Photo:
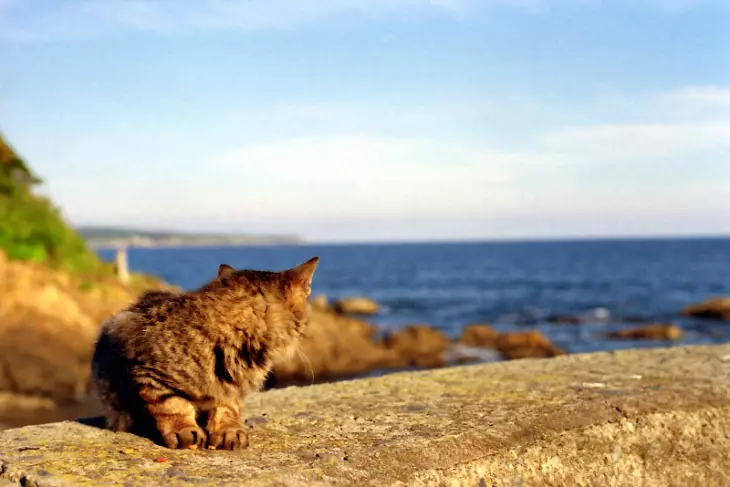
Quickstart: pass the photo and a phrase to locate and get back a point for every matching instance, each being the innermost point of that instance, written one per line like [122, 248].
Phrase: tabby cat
[175, 367]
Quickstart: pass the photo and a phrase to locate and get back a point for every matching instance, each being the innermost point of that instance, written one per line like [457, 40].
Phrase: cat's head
[289, 288]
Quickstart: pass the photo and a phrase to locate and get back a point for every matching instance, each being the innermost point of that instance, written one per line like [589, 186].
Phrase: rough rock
[657, 331]
[512, 345]
[716, 309]
[526, 344]
[639, 417]
[356, 306]
[334, 346]
[417, 345]
[479, 335]
[48, 324]
[320, 302]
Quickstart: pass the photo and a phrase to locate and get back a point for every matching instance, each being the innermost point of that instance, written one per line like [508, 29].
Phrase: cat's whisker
[305, 359]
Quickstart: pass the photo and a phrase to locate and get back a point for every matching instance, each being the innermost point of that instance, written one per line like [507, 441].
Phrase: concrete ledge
[641, 417]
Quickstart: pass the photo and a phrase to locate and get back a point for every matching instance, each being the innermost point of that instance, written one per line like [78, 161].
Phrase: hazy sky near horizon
[378, 119]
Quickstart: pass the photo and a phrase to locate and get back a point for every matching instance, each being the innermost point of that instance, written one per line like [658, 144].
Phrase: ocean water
[513, 286]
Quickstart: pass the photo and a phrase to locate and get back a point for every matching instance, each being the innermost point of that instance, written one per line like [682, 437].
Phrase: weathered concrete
[644, 417]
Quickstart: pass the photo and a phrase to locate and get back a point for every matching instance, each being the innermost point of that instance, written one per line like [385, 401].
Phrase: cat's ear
[225, 269]
[300, 277]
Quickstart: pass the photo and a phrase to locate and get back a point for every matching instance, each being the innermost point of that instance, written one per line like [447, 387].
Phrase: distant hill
[114, 236]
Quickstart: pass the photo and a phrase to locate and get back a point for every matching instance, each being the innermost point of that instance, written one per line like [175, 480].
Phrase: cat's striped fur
[175, 366]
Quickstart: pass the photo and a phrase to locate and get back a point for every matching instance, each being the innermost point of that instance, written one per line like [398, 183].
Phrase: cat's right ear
[225, 270]
[301, 276]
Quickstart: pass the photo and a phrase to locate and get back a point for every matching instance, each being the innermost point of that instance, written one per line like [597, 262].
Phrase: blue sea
[513, 286]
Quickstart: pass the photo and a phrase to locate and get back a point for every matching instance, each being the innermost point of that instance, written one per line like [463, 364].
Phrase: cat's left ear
[301, 276]
[225, 269]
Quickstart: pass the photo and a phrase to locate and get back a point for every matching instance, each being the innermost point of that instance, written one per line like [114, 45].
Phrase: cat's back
[141, 325]
[152, 309]
[136, 332]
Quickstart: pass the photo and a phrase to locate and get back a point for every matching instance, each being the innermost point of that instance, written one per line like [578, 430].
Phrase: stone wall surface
[636, 418]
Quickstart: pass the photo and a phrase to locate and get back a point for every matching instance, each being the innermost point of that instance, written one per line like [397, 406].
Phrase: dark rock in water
[715, 309]
[657, 331]
[525, 317]
[597, 314]
[590, 316]
[564, 319]
[634, 319]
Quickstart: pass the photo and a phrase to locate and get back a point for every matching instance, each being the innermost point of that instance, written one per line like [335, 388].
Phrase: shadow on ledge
[95, 422]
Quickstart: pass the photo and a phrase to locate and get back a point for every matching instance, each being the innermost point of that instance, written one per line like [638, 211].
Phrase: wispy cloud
[659, 165]
[583, 169]
[649, 142]
[369, 175]
[701, 96]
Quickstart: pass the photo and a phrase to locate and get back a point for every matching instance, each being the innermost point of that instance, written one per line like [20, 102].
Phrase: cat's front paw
[229, 439]
[190, 436]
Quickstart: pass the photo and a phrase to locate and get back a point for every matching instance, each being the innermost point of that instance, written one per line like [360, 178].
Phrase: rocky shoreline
[49, 321]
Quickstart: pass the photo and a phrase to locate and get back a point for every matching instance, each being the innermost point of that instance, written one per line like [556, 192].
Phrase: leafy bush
[31, 227]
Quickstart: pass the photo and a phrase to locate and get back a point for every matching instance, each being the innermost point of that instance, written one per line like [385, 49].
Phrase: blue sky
[376, 120]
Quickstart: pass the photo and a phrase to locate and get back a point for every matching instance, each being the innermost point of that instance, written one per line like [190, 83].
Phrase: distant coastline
[113, 237]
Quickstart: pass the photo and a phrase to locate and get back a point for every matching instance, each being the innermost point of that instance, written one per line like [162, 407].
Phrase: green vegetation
[31, 227]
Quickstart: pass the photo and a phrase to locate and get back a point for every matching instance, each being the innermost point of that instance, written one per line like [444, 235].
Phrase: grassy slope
[32, 229]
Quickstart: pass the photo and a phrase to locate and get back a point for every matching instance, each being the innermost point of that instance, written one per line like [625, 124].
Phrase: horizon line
[526, 239]
[467, 241]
